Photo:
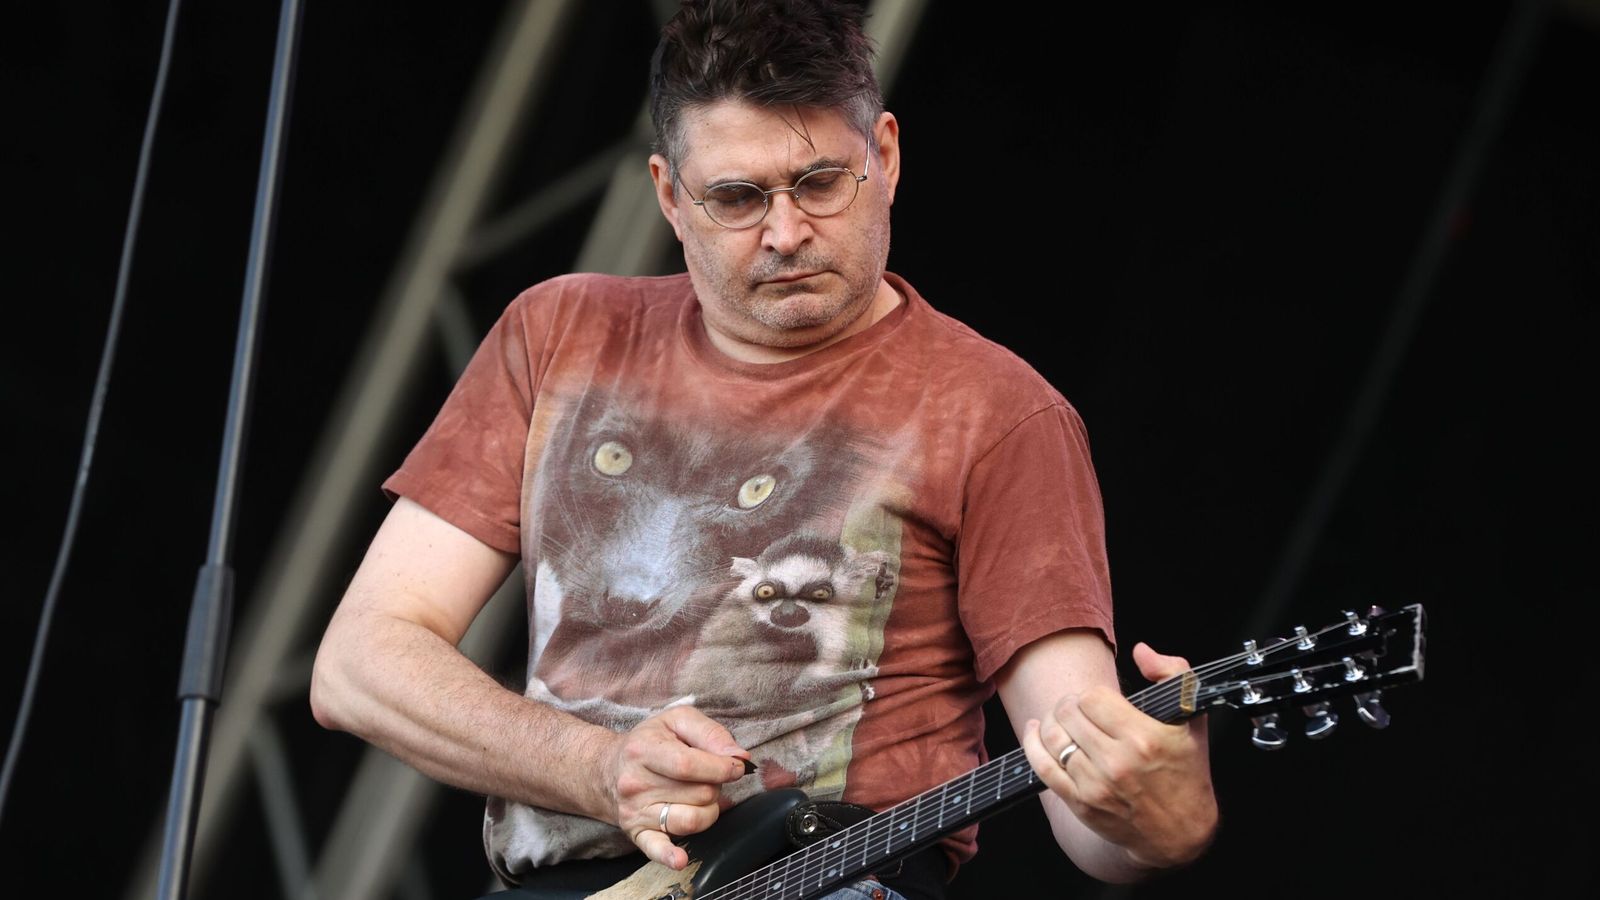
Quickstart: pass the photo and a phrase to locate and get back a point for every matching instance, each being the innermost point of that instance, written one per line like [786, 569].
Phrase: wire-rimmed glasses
[819, 193]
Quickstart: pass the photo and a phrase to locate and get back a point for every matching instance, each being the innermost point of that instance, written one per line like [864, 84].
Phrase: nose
[786, 227]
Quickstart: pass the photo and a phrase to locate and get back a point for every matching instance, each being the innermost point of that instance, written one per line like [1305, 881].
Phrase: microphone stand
[211, 611]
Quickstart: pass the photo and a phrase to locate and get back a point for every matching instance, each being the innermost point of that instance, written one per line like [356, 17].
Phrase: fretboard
[877, 843]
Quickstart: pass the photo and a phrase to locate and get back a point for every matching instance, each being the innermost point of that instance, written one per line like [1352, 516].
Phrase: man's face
[794, 280]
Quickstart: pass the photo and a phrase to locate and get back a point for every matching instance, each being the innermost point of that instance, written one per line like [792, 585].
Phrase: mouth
[790, 278]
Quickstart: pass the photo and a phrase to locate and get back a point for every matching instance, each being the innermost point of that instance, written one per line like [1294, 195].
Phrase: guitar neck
[1297, 671]
[880, 841]
[877, 843]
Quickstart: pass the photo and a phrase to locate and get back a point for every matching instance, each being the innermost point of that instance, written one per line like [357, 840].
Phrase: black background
[1194, 221]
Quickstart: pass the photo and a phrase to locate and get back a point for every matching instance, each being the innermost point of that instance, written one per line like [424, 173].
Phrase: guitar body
[744, 838]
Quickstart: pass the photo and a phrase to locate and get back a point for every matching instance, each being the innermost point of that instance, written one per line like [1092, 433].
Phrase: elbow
[327, 695]
[321, 706]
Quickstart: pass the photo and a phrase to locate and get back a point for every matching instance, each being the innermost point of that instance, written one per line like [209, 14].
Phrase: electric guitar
[750, 853]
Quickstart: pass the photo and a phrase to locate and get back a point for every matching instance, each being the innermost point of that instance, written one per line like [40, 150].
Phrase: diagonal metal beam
[1513, 55]
[388, 802]
[892, 24]
[285, 826]
[318, 522]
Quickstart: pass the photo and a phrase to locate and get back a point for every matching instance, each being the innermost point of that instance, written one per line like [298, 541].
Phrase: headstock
[1359, 656]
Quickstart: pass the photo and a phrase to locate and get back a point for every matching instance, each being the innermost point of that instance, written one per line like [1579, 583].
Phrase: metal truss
[422, 310]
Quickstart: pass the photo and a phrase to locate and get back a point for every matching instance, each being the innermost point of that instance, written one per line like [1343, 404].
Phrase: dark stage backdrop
[1195, 221]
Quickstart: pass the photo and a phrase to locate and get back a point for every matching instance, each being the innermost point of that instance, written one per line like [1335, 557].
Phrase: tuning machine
[1268, 734]
[1371, 710]
[1321, 720]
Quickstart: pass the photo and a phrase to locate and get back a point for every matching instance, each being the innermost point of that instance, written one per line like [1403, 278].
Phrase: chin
[798, 308]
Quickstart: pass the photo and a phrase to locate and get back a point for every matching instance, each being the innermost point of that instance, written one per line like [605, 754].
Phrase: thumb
[1156, 666]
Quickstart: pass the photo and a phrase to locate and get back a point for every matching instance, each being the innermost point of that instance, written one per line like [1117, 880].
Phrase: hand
[678, 756]
[1137, 782]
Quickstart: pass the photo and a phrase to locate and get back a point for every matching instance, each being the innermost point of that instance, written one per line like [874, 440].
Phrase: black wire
[96, 407]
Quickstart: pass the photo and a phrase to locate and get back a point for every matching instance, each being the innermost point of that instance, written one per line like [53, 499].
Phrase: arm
[388, 671]
[1137, 794]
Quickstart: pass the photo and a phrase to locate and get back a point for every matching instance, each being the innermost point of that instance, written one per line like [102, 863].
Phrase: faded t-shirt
[831, 555]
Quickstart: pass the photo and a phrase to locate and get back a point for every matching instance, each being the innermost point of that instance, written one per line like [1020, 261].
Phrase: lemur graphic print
[684, 563]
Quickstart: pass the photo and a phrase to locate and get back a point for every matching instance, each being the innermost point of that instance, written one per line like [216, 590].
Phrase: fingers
[680, 819]
[696, 749]
[668, 780]
[699, 730]
[1043, 758]
[1069, 721]
[659, 847]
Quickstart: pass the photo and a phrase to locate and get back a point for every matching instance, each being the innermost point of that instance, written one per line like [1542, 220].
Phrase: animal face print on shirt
[680, 562]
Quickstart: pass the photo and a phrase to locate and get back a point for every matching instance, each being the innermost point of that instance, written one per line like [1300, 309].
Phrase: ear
[886, 134]
[744, 567]
[666, 195]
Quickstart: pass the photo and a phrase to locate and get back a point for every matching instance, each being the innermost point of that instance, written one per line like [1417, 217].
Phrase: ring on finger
[1067, 751]
[663, 819]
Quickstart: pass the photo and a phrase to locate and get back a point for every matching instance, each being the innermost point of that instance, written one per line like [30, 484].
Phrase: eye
[823, 592]
[755, 492]
[734, 196]
[612, 459]
[766, 590]
[823, 180]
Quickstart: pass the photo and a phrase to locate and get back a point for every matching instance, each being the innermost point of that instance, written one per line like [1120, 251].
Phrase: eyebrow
[826, 162]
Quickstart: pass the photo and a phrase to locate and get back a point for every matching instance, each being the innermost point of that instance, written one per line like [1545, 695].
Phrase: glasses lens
[826, 191]
[736, 205]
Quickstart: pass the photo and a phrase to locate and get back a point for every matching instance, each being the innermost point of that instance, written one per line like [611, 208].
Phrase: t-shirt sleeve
[1031, 553]
[467, 468]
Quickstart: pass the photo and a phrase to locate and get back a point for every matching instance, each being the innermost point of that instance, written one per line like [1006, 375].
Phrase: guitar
[749, 854]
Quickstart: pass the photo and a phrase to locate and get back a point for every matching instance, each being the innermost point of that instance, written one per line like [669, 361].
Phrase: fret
[897, 827]
[829, 863]
[813, 868]
[778, 878]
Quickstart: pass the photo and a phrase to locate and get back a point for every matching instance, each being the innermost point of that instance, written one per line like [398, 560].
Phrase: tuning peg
[1371, 711]
[1322, 721]
[1354, 626]
[1268, 734]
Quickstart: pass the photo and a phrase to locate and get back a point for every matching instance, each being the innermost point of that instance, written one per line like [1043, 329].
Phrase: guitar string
[857, 840]
[1156, 700]
[1175, 685]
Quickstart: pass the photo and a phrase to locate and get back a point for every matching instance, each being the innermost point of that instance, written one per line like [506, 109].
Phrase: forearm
[1096, 856]
[407, 690]
[1135, 797]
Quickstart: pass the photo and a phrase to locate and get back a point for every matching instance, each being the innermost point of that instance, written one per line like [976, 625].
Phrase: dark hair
[810, 53]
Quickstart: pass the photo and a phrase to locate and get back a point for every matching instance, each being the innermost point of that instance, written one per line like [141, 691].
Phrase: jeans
[864, 890]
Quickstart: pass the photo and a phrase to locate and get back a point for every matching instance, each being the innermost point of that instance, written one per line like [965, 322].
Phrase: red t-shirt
[831, 555]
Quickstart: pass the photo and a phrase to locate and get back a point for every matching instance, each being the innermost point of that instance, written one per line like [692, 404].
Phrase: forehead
[733, 140]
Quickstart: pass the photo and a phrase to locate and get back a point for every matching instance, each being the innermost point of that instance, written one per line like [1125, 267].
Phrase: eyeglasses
[819, 193]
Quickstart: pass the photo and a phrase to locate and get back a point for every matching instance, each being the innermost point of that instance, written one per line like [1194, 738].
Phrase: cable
[96, 407]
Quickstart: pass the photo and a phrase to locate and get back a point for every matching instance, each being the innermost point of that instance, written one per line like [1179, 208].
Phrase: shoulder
[591, 293]
[973, 370]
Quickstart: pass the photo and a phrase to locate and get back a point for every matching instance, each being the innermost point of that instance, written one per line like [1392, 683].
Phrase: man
[783, 523]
